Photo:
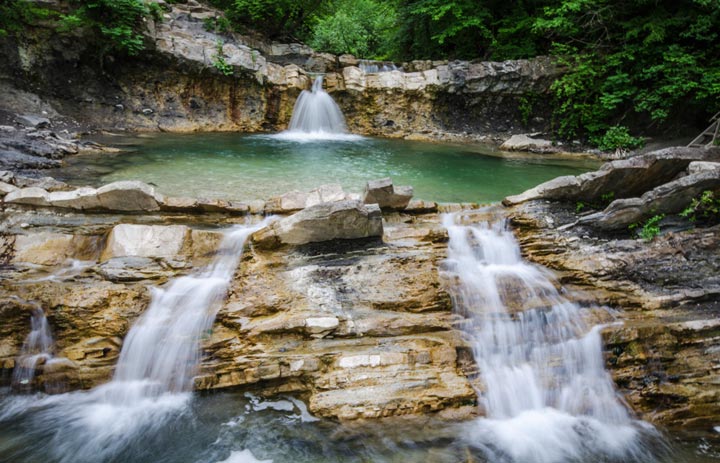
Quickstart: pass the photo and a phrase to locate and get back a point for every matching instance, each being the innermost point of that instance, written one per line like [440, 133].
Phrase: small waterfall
[546, 393]
[316, 116]
[162, 348]
[38, 346]
[374, 67]
[153, 380]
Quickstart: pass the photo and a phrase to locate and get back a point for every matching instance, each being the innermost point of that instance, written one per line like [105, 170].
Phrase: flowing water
[544, 388]
[38, 347]
[316, 117]
[243, 167]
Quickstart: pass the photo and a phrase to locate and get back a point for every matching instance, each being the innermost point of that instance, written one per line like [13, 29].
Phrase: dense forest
[631, 63]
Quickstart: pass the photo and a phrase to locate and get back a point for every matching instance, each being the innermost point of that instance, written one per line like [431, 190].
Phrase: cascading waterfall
[316, 116]
[38, 347]
[374, 67]
[546, 394]
[153, 380]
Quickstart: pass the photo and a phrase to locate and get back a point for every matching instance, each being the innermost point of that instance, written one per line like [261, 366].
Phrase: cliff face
[175, 85]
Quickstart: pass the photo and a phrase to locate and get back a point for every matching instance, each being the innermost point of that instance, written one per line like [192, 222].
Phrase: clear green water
[235, 166]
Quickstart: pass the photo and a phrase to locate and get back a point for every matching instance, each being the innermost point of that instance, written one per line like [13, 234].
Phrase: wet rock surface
[360, 328]
[663, 355]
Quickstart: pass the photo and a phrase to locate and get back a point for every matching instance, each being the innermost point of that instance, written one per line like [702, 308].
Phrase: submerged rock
[323, 222]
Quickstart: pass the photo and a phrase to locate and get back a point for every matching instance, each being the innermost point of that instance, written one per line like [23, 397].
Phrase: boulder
[669, 198]
[32, 196]
[703, 166]
[80, 199]
[526, 143]
[384, 194]
[129, 240]
[323, 222]
[49, 248]
[325, 194]
[129, 196]
[624, 179]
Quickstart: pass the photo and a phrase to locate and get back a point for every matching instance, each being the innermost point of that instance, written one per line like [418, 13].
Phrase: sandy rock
[384, 194]
[323, 222]
[48, 248]
[126, 240]
[129, 196]
[32, 196]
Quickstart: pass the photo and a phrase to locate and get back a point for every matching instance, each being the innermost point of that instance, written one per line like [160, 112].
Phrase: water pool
[244, 167]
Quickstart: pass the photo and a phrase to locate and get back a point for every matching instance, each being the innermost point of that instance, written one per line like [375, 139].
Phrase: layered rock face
[175, 85]
[359, 325]
[664, 356]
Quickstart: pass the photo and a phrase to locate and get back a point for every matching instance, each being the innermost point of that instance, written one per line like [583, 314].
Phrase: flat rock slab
[128, 240]
[383, 193]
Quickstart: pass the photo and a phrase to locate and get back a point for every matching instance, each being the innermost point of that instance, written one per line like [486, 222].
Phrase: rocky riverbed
[343, 303]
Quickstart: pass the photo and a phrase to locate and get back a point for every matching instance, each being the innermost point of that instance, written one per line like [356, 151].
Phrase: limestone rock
[703, 166]
[49, 248]
[124, 269]
[289, 202]
[323, 222]
[129, 196]
[384, 194]
[625, 179]
[82, 199]
[526, 143]
[669, 198]
[32, 196]
[36, 122]
[127, 240]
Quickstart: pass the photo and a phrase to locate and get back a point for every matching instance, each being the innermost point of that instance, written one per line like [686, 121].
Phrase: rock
[325, 194]
[33, 121]
[7, 177]
[526, 143]
[49, 248]
[624, 179]
[669, 198]
[289, 202]
[126, 240]
[419, 206]
[174, 204]
[81, 199]
[32, 196]
[384, 194]
[6, 188]
[323, 222]
[129, 196]
[702, 166]
[46, 183]
[124, 269]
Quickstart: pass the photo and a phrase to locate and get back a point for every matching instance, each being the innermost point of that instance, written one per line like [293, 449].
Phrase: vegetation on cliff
[643, 64]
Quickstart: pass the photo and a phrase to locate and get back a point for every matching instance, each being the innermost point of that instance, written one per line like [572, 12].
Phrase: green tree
[363, 28]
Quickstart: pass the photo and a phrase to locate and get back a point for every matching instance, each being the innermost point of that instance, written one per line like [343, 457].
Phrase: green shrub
[650, 229]
[705, 208]
[617, 137]
[219, 60]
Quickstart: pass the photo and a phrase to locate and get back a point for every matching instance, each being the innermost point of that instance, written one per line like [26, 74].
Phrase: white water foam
[546, 393]
[316, 117]
[153, 380]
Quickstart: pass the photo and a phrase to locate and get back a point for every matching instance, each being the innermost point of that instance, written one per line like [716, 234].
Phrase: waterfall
[316, 116]
[546, 394]
[374, 67]
[154, 377]
[38, 346]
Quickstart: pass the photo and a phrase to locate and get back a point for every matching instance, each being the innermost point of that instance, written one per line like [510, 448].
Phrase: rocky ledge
[664, 355]
[339, 303]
